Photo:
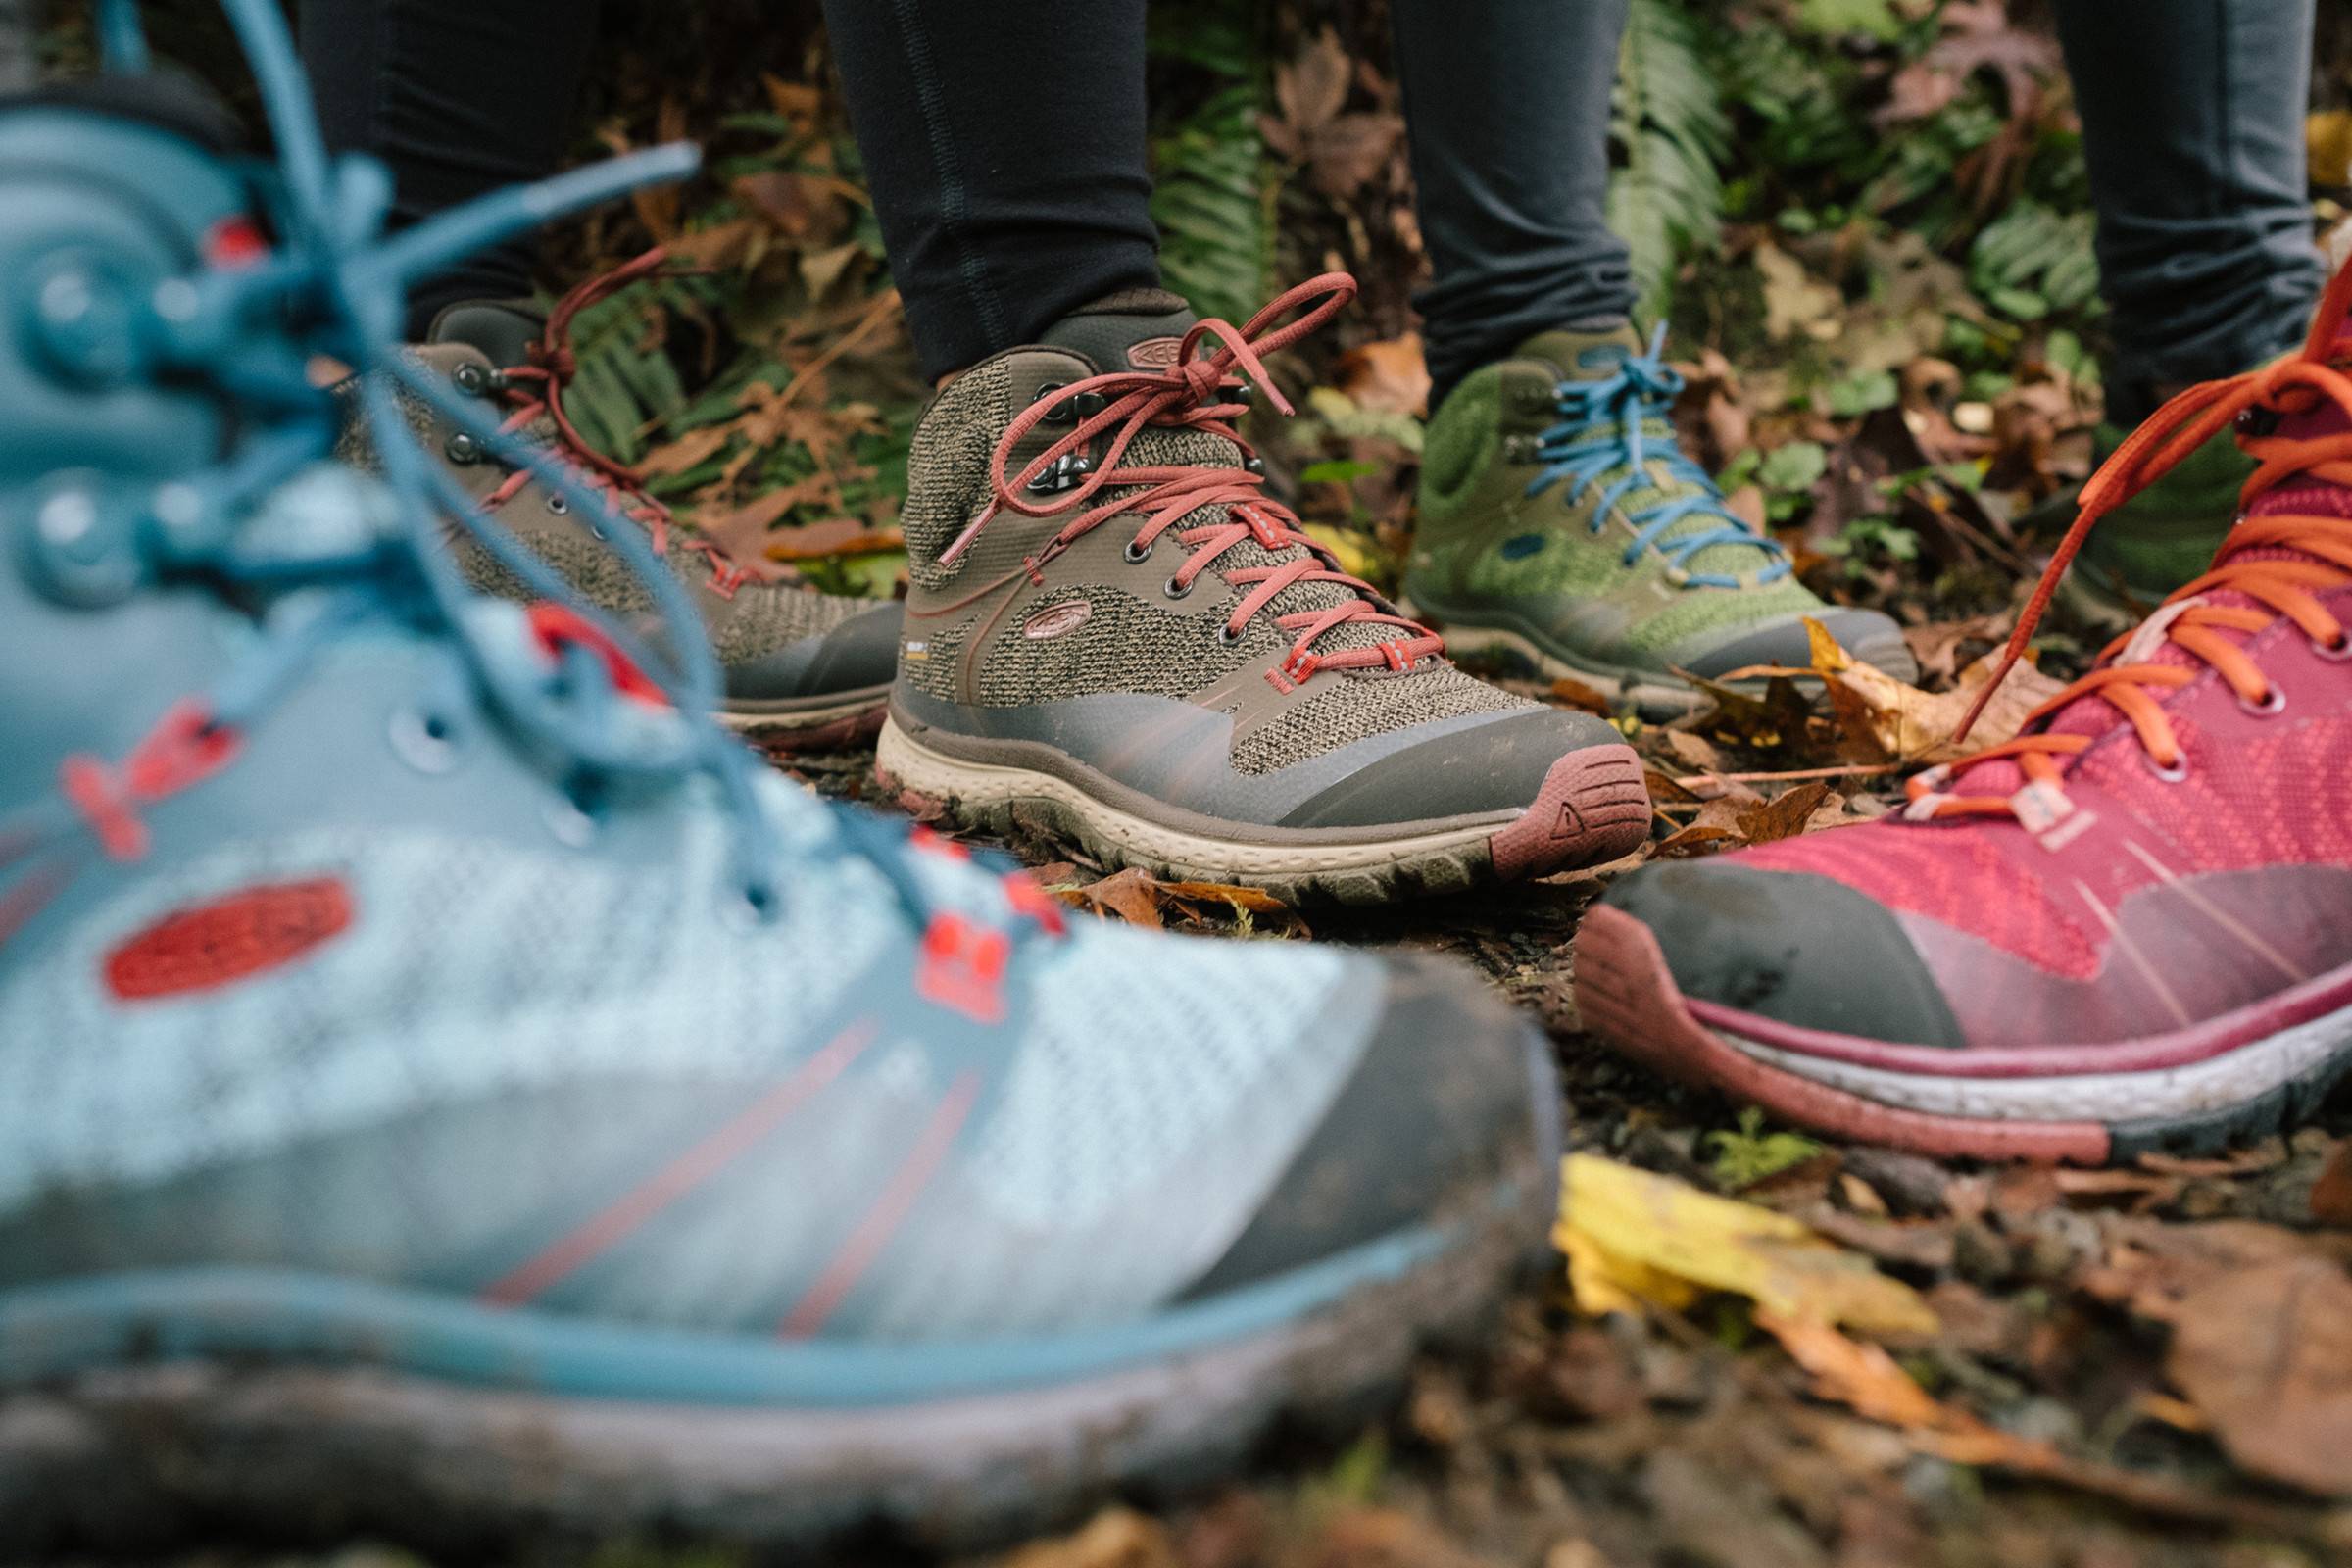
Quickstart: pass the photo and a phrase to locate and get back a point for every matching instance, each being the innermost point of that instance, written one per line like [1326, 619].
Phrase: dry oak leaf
[2266, 1355]
[1910, 726]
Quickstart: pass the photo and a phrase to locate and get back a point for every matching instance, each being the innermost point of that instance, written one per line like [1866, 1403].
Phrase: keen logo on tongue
[1154, 353]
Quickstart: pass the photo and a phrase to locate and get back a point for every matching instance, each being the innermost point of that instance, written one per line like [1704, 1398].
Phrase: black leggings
[459, 99]
[1004, 145]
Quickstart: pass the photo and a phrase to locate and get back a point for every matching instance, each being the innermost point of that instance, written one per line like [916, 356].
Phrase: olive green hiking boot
[2158, 539]
[802, 670]
[1562, 527]
[1112, 629]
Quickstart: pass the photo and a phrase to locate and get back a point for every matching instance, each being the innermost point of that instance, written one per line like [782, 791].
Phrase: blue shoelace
[340, 282]
[1603, 431]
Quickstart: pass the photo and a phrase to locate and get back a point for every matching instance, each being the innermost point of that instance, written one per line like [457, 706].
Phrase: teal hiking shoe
[1561, 527]
[2161, 538]
[449, 1090]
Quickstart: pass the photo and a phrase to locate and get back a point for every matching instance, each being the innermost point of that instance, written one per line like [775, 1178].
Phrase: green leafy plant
[1668, 123]
[1747, 1155]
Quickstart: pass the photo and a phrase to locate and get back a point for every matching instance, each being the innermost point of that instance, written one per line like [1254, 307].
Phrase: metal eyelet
[2273, 702]
[1061, 414]
[1227, 636]
[1134, 557]
[2336, 652]
[559, 506]
[426, 742]
[473, 379]
[750, 906]
[1254, 464]
[1177, 590]
[1065, 473]
[2174, 774]
[463, 449]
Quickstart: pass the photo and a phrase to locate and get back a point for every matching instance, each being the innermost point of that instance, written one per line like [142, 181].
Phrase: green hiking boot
[2158, 539]
[1562, 526]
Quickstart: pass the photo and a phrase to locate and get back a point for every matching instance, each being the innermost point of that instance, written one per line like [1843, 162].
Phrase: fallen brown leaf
[2266, 1355]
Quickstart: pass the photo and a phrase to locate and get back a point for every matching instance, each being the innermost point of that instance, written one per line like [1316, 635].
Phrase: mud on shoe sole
[1593, 806]
[149, 1452]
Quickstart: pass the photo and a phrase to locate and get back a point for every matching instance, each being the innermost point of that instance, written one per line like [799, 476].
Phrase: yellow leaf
[2328, 140]
[1636, 1238]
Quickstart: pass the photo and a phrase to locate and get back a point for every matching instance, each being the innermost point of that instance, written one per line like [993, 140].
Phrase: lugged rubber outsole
[133, 1457]
[1626, 995]
[1593, 807]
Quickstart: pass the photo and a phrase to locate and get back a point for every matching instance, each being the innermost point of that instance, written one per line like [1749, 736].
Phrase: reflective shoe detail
[443, 1071]
[2127, 928]
[800, 667]
[1561, 527]
[1113, 628]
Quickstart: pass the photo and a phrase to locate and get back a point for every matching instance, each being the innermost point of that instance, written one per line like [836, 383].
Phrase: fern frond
[1209, 199]
[1668, 122]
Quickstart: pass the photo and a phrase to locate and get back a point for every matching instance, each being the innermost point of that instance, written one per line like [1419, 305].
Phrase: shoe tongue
[504, 330]
[2304, 495]
[1596, 351]
[1136, 329]
[1142, 329]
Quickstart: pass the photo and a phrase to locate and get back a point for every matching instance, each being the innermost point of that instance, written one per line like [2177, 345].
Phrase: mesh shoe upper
[2169, 841]
[1132, 641]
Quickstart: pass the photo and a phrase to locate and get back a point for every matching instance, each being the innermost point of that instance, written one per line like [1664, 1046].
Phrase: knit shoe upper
[801, 666]
[1560, 524]
[1104, 593]
[441, 1068]
[2129, 925]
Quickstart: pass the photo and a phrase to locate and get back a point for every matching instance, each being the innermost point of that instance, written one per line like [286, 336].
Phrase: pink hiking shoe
[2127, 928]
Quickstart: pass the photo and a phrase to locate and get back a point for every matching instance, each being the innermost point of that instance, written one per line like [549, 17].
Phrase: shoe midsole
[1029, 771]
[800, 712]
[55, 1330]
[2231, 1078]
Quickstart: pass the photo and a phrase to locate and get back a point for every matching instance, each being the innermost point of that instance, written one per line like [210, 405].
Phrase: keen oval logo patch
[228, 940]
[1154, 353]
[1059, 621]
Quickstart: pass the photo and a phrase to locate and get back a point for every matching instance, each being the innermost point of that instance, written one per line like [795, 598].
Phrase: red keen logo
[1059, 621]
[215, 944]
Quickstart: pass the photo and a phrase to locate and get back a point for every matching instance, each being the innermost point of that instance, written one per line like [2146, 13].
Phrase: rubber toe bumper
[1869, 636]
[1498, 767]
[859, 655]
[1798, 949]
[1454, 1101]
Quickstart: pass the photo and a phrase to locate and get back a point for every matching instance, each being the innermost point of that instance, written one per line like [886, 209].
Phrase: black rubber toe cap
[1499, 766]
[1454, 1099]
[1869, 636]
[1787, 946]
[860, 654]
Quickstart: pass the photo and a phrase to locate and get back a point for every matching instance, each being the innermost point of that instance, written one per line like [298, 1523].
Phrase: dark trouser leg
[2192, 124]
[1507, 104]
[458, 97]
[1004, 150]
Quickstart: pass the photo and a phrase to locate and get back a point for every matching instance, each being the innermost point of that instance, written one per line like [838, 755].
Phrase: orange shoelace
[535, 392]
[1206, 394]
[2126, 677]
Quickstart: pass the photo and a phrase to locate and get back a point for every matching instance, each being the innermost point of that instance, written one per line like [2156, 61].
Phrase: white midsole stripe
[2231, 1079]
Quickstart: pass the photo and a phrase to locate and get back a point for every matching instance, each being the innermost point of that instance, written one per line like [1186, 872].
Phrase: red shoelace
[2126, 677]
[534, 390]
[1201, 393]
